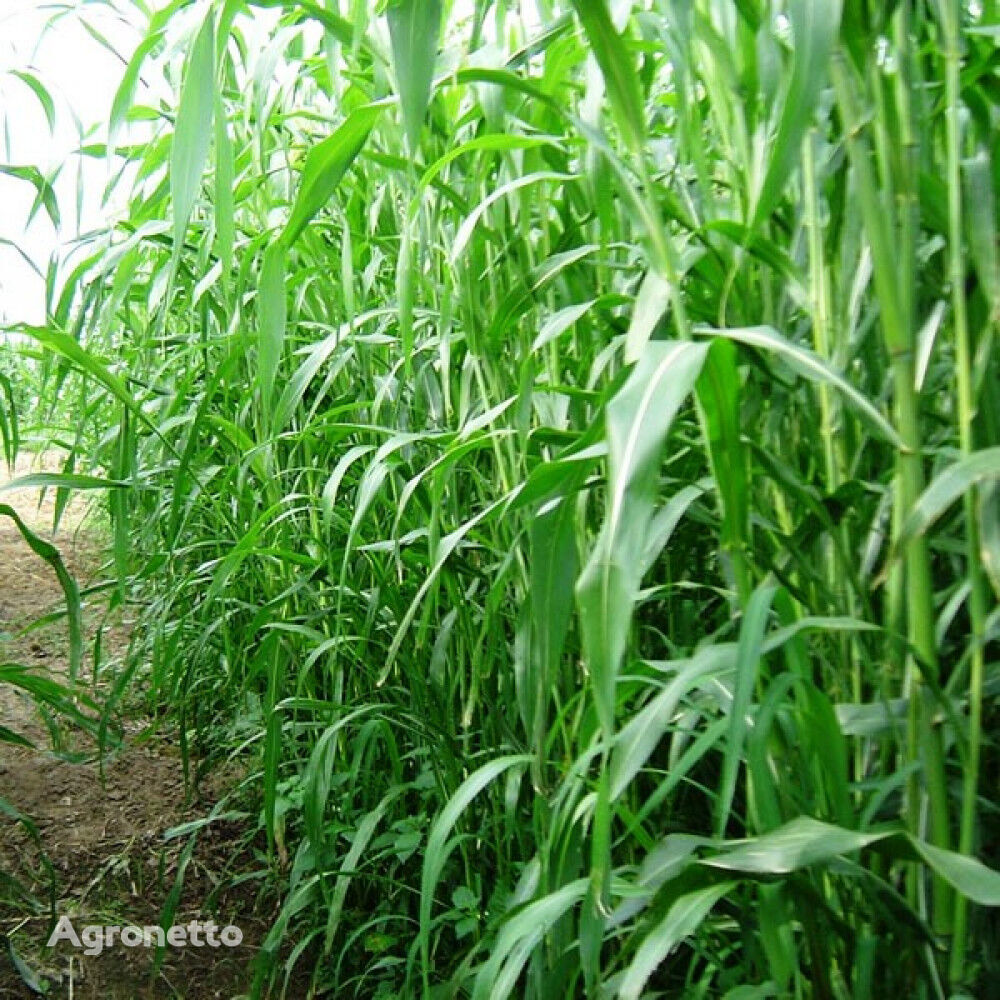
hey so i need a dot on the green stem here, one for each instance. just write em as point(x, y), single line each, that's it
point(950, 19)
point(923, 741)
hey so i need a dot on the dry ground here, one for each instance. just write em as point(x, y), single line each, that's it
point(103, 838)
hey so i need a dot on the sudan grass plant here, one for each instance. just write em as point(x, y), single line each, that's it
point(564, 449)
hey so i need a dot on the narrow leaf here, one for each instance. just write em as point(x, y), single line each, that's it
point(618, 69)
point(325, 165)
point(748, 654)
point(638, 420)
point(272, 316)
point(682, 919)
point(947, 487)
point(814, 32)
point(193, 128)
point(439, 846)
point(810, 366)
point(414, 26)
point(48, 552)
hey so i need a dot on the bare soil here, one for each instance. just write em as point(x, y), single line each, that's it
point(100, 850)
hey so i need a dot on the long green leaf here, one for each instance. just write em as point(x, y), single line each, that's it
point(682, 919)
point(51, 555)
point(814, 33)
point(439, 844)
point(414, 26)
point(810, 366)
point(805, 841)
point(748, 654)
point(193, 128)
point(638, 420)
point(326, 165)
point(618, 69)
point(964, 474)
point(272, 316)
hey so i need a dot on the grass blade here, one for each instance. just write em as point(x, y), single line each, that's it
point(193, 128)
point(414, 26)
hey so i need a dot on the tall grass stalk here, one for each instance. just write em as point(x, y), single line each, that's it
point(950, 17)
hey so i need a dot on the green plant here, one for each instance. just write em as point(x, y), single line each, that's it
point(545, 439)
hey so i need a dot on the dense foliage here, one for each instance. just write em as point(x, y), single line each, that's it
point(557, 458)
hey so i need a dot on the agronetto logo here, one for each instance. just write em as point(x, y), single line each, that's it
point(94, 938)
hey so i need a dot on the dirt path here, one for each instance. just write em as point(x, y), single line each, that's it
point(103, 839)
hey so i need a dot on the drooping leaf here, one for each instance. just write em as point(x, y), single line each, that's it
point(639, 737)
point(810, 366)
point(41, 93)
point(47, 551)
point(469, 223)
point(414, 26)
point(45, 194)
point(559, 322)
point(682, 919)
point(638, 420)
point(439, 842)
point(63, 480)
point(964, 474)
point(814, 33)
point(125, 93)
point(28, 976)
point(497, 979)
point(805, 841)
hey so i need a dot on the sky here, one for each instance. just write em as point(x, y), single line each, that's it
point(82, 76)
